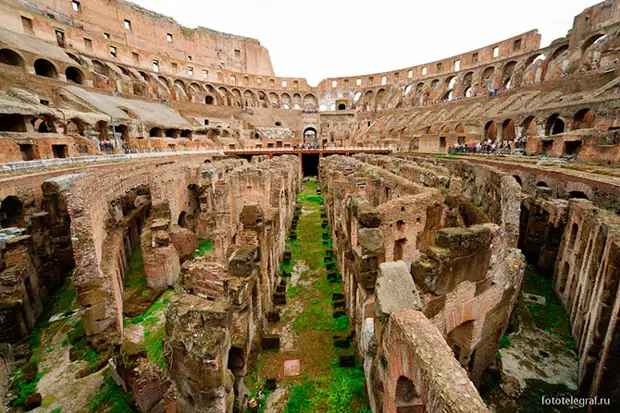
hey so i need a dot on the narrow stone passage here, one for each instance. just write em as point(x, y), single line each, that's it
point(314, 368)
point(537, 354)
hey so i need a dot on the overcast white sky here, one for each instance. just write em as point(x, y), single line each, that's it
point(317, 39)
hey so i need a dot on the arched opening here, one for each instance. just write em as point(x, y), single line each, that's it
point(9, 57)
point(186, 133)
point(518, 179)
point(100, 68)
point(124, 71)
point(555, 125)
point(508, 130)
point(490, 131)
point(593, 39)
point(102, 128)
point(182, 221)
point(449, 95)
point(123, 130)
point(74, 75)
point(406, 397)
point(461, 341)
point(156, 133)
point(559, 51)
point(11, 213)
point(310, 136)
point(584, 119)
point(12, 123)
point(209, 100)
point(487, 78)
point(342, 106)
point(75, 127)
point(44, 68)
point(577, 195)
point(529, 126)
point(541, 184)
point(43, 124)
point(172, 133)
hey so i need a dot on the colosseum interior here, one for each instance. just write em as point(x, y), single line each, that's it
point(183, 231)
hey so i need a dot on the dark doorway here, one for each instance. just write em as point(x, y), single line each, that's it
point(27, 151)
point(59, 151)
point(572, 148)
point(310, 164)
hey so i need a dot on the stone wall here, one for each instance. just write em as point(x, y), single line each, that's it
point(455, 228)
point(253, 205)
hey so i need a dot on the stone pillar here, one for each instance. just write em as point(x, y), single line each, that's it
point(198, 333)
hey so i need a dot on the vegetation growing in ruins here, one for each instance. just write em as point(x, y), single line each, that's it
point(342, 391)
point(551, 316)
point(136, 278)
point(60, 302)
point(154, 329)
point(204, 246)
point(111, 398)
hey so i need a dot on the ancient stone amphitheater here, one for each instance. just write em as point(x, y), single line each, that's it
point(183, 231)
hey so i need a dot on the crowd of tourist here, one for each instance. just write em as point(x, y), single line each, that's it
point(489, 146)
point(308, 146)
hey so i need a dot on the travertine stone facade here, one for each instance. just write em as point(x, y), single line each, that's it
point(431, 249)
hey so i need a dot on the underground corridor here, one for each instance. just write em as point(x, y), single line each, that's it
point(307, 362)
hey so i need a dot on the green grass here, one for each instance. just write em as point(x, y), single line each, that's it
point(111, 398)
point(342, 391)
point(154, 330)
point(25, 389)
point(136, 278)
point(551, 316)
point(56, 410)
point(204, 246)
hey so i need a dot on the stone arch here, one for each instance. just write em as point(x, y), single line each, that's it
point(164, 81)
point(156, 132)
point(225, 95)
point(100, 68)
point(75, 126)
point(45, 68)
point(124, 70)
point(123, 130)
point(74, 75)
point(406, 397)
point(508, 130)
point(12, 212)
point(249, 98)
point(490, 130)
point(508, 73)
point(43, 124)
point(555, 125)
point(209, 100)
point(487, 77)
point(310, 101)
point(558, 51)
point(102, 128)
point(584, 119)
point(11, 58)
point(591, 40)
point(529, 126)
